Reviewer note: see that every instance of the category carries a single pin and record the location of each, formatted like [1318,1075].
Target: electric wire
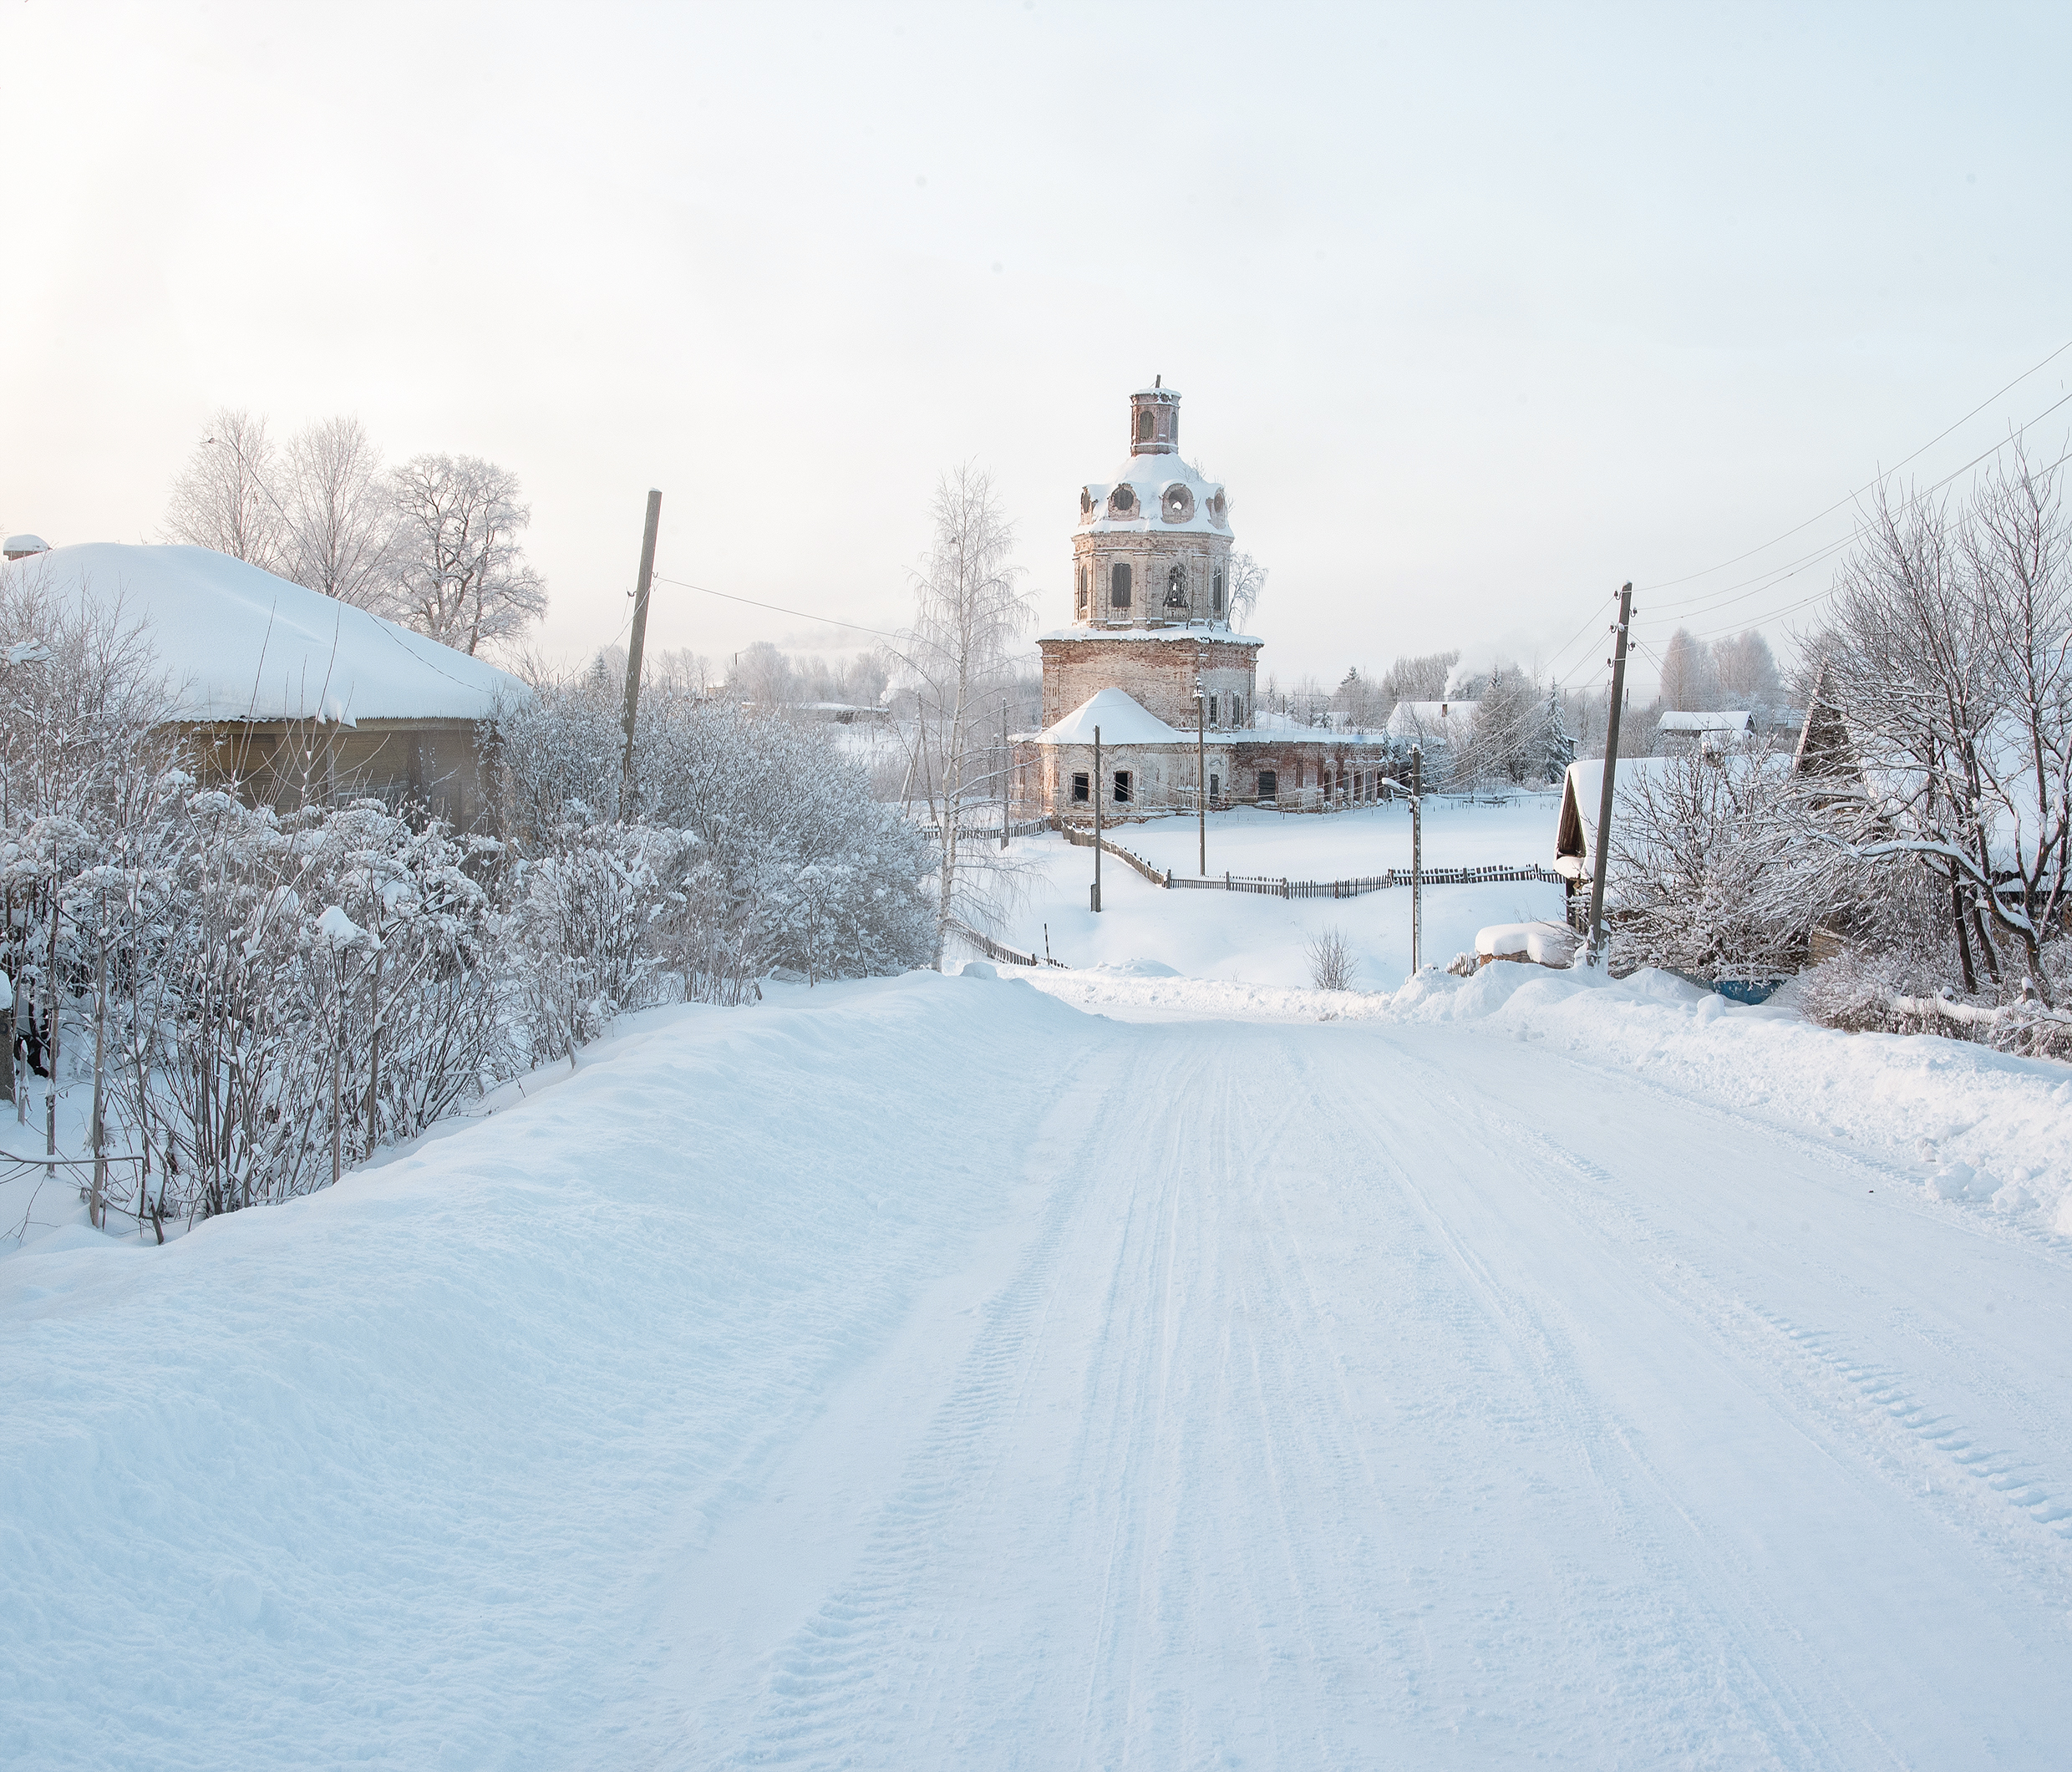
[1883,474]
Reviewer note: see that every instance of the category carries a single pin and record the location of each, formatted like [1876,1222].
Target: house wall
[437,763]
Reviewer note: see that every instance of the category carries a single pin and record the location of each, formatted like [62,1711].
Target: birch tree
[968,613]
[340,520]
[225,498]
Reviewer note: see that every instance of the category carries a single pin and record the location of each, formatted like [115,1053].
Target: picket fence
[1396,876]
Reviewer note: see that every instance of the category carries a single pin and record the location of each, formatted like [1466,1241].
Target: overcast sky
[1476,311]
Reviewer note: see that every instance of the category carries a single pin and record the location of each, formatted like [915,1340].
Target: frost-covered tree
[969,610]
[1746,671]
[338,533]
[1689,683]
[460,575]
[1248,582]
[225,498]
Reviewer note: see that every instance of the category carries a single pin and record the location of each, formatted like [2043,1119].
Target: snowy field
[949,1372]
[1262,939]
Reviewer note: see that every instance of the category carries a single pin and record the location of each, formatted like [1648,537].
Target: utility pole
[1007,763]
[1097,821]
[1611,770]
[50,1037]
[640,639]
[1201,770]
[1417,857]
[97,1209]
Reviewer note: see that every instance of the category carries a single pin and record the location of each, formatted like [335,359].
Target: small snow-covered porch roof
[1583,798]
[1121,718]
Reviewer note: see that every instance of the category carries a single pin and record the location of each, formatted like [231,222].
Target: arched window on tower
[1143,425]
[1215,602]
[1119,585]
[1082,608]
[1176,588]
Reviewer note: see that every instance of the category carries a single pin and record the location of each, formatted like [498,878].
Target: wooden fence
[1396,876]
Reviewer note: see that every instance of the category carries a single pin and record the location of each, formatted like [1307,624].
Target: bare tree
[340,514]
[1689,683]
[1946,654]
[1420,679]
[1332,960]
[1247,579]
[225,498]
[461,575]
[1746,671]
[968,613]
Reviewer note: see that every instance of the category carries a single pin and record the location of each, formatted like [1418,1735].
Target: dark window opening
[1176,587]
[1144,425]
[1215,596]
[1122,787]
[1215,790]
[1082,590]
[1269,785]
[1082,787]
[1118,585]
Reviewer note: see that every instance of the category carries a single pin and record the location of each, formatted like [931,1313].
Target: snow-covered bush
[756,842]
[308,986]
[1714,869]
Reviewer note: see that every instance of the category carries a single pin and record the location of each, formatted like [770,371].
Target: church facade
[1151,660]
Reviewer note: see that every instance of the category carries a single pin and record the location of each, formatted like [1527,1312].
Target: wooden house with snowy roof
[285,694]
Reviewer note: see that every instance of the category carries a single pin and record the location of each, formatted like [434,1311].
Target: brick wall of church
[1159,675]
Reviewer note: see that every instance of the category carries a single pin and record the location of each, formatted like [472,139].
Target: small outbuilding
[1678,734]
[284,694]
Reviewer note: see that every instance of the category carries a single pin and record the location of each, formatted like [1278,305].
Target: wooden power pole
[1201,768]
[1007,766]
[633,651]
[1417,858]
[1603,845]
[1097,821]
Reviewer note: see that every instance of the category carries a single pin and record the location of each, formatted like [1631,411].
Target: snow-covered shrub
[1715,870]
[755,844]
[318,984]
[1332,960]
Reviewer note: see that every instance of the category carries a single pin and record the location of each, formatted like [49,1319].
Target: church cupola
[1155,421]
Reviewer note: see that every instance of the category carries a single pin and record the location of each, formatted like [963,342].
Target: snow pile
[1544,944]
[1964,1122]
[238,643]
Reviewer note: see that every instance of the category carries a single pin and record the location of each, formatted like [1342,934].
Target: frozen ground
[930,1373]
[1242,936]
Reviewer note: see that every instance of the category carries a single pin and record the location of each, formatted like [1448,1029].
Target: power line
[778,608]
[1714,602]
[1885,473]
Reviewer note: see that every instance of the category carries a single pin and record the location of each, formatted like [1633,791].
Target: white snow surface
[236,643]
[925,1374]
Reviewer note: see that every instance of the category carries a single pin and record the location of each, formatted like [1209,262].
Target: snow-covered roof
[16,545]
[1122,719]
[236,643]
[1430,720]
[1736,722]
[1150,476]
[1582,795]
[1191,632]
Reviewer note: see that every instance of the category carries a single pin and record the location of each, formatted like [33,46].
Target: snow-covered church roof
[1122,718]
[237,643]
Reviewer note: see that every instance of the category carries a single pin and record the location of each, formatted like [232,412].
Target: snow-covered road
[1044,1389]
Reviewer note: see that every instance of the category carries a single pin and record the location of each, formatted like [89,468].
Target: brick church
[1151,660]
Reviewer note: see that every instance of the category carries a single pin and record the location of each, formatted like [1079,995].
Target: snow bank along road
[930,1374]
